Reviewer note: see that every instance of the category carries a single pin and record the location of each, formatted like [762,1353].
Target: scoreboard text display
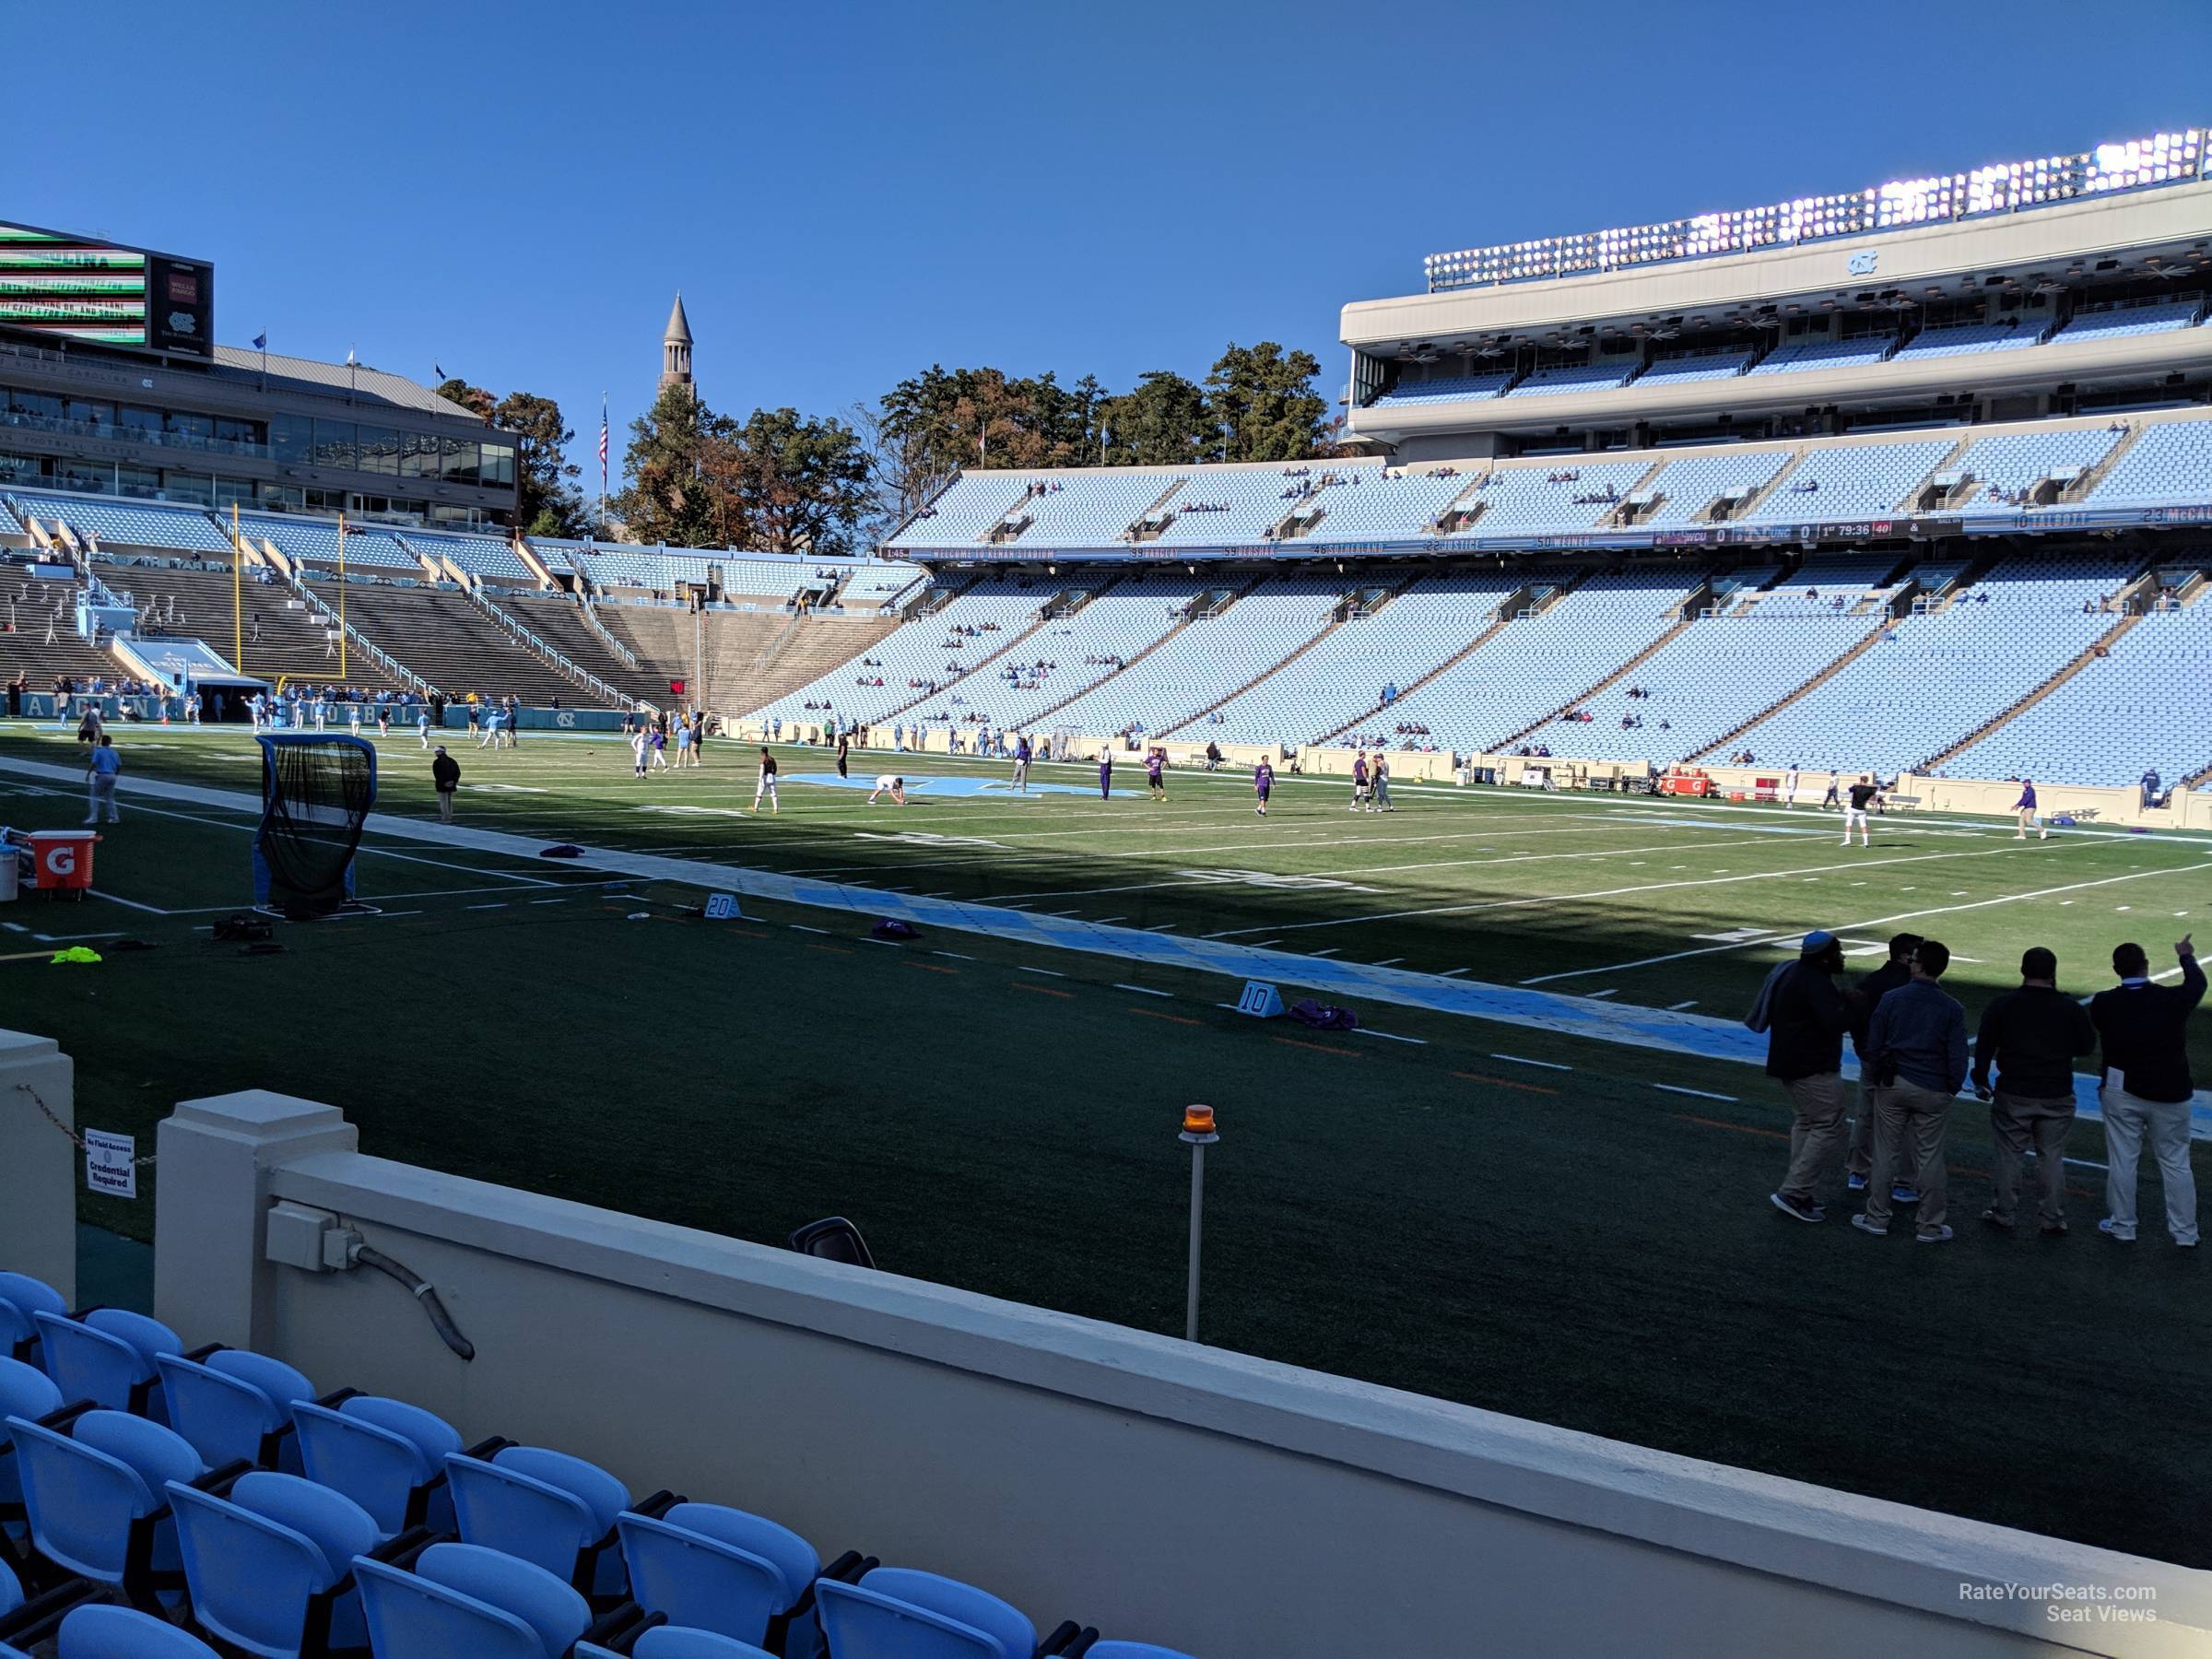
[68,288]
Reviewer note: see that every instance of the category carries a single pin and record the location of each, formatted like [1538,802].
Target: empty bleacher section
[1561,378]
[929,650]
[1821,351]
[1370,505]
[2145,704]
[447,638]
[1407,638]
[1970,340]
[484,556]
[282,637]
[38,631]
[1210,654]
[2170,462]
[1850,480]
[314,541]
[1541,663]
[95,520]
[2143,317]
[1537,495]
[1937,677]
[1715,674]
[1687,490]
[1682,367]
[1447,388]
[2004,472]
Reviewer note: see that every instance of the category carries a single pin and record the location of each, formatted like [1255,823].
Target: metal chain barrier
[47,1112]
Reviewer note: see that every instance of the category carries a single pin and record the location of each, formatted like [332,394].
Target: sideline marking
[1142,990]
[1703,1094]
[1522,1060]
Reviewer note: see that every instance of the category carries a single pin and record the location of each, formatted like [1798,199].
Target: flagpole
[238,591]
[341,598]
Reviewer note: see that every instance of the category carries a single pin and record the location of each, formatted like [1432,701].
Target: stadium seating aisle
[2147,706]
[397,1538]
[1536,663]
[445,637]
[1207,657]
[30,607]
[1347,671]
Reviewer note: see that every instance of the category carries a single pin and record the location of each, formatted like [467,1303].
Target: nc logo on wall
[1863,263]
[565,720]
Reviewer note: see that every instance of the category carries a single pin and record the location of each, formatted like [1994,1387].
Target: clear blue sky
[849,192]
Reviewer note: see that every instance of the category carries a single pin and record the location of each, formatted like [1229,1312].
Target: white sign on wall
[111,1164]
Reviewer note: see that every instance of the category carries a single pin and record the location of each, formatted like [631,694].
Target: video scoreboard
[66,288]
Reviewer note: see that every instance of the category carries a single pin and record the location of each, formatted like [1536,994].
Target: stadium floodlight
[1198,1134]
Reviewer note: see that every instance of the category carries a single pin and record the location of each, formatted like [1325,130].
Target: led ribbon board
[65,287]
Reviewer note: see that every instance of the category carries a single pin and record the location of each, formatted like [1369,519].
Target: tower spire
[676,348]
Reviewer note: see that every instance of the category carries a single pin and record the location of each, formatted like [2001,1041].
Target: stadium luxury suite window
[380,450]
[417,455]
[463,464]
[498,465]
[291,438]
[336,444]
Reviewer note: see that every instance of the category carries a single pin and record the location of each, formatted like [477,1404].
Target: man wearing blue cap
[1804,1017]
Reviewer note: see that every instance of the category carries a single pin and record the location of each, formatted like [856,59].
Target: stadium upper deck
[2069,285]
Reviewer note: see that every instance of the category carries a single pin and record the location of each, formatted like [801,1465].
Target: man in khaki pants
[1917,1044]
[1804,1017]
[2031,1036]
[2143,1028]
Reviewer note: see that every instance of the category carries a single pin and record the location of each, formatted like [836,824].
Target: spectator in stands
[1896,971]
[2143,1029]
[445,778]
[2031,1036]
[1804,1017]
[1917,1043]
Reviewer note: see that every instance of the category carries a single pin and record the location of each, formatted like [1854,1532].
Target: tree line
[779,481]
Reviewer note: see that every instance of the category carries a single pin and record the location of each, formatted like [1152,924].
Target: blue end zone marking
[941,788]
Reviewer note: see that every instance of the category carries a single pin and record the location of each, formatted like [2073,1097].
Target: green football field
[1557,1226]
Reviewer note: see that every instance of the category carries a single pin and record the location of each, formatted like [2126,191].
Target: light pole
[1197,1134]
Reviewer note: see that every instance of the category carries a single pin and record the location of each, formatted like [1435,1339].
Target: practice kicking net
[316,790]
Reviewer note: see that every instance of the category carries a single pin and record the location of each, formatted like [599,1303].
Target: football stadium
[1227,1057]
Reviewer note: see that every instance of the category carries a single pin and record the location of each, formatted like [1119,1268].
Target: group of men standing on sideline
[1910,1036]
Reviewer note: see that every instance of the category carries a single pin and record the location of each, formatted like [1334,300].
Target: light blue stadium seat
[1133,1649]
[20,1296]
[712,1568]
[543,1507]
[268,1565]
[901,1612]
[464,1602]
[25,1392]
[235,1405]
[11,1591]
[679,1641]
[107,1358]
[121,1633]
[95,1499]
[384,1454]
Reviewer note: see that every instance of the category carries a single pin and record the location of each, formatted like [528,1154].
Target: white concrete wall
[1233,1506]
[39,1164]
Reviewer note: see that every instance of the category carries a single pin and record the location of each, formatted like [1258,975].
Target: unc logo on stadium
[1863,263]
[565,720]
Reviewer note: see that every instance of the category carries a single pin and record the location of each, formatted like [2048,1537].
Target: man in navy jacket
[2148,1089]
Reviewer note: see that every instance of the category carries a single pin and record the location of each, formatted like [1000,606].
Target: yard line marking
[1946,910]
[1448,973]
[544,902]
[1609,991]
[1332,950]
[833,949]
[1703,1094]
[151,909]
[1172,1018]
[65,938]
[1521,1059]
[15,926]
[1160,927]
[931,968]
[1684,1117]
[1388,1036]
[1262,944]
[1677,1008]
[865,940]
[1387,962]
[1505,1083]
[954,955]
[1142,990]
[1105,921]
[1025,967]
[804,928]
[1044,990]
[1322,1048]
[496,904]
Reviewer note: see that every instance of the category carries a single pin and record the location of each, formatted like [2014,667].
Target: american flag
[603,443]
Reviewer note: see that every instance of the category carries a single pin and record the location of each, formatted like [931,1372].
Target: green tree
[1165,422]
[551,503]
[1263,404]
[675,472]
[797,484]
